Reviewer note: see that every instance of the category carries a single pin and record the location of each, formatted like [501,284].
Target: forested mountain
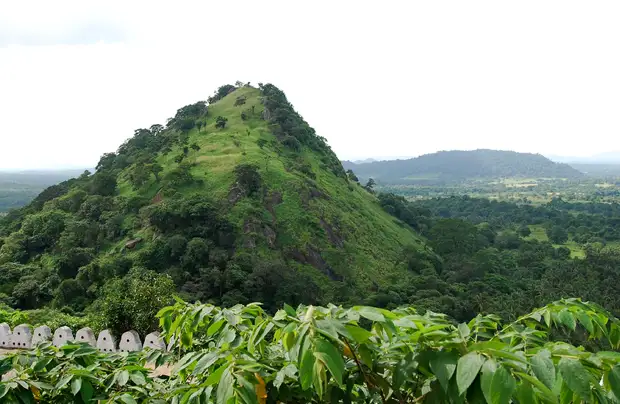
[236,200]
[17,188]
[456,165]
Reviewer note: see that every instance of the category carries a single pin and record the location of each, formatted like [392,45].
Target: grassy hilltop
[237,200]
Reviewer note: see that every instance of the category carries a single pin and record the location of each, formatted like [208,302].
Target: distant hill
[456,165]
[237,200]
[18,188]
[612,157]
[598,170]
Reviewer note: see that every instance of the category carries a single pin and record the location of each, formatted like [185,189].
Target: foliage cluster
[332,354]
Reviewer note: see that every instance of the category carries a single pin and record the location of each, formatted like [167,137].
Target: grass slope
[318,222]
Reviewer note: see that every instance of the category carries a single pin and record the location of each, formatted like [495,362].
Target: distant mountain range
[612,157]
[457,165]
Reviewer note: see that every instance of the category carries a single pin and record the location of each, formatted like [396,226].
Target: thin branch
[361,368]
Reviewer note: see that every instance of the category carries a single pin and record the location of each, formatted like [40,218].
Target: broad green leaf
[137,378]
[544,390]
[585,321]
[464,330]
[289,370]
[566,394]
[41,364]
[215,327]
[205,362]
[319,378]
[443,365]
[502,386]
[614,380]
[128,399]
[3,389]
[215,376]
[331,357]
[225,387]
[76,385]
[63,381]
[289,310]
[566,318]
[525,393]
[305,369]
[86,391]
[359,334]
[467,369]
[486,379]
[543,368]
[123,377]
[575,376]
[371,313]
[280,315]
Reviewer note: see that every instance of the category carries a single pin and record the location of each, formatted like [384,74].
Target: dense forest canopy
[456,166]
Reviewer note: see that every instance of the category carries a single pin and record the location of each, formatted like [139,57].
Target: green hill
[456,166]
[236,200]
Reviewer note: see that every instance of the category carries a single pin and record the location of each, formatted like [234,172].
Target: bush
[220,122]
[292,143]
[221,92]
[132,302]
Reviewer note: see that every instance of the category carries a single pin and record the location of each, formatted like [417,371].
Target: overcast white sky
[377,79]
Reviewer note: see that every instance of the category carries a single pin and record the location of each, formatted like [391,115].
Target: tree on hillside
[139,175]
[524,230]
[132,302]
[103,183]
[156,169]
[370,184]
[352,177]
[454,236]
[558,235]
[156,129]
[220,122]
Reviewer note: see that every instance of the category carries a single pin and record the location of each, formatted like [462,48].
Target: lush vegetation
[332,354]
[19,188]
[233,201]
[447,167]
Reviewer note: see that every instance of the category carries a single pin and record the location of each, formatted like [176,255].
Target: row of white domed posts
[23,338]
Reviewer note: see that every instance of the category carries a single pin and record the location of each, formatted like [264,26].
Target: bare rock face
[131,244]
[235,194]
[270,236]
[332,234]
[273,200]
[314,258]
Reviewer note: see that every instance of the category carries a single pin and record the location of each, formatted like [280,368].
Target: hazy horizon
[380,80]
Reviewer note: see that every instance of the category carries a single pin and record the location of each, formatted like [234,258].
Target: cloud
[400,78]
[31,23]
